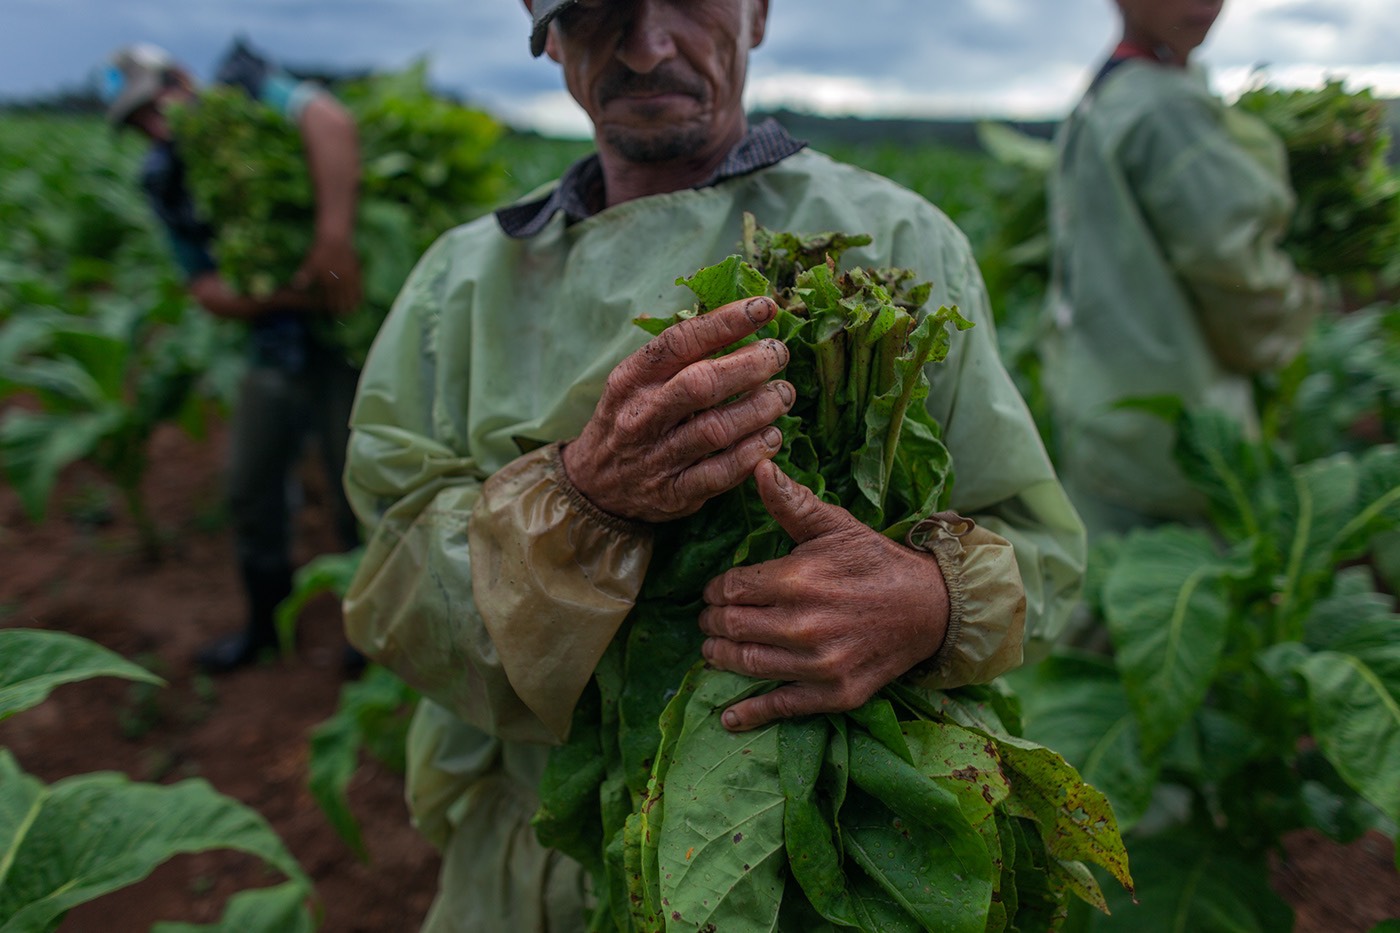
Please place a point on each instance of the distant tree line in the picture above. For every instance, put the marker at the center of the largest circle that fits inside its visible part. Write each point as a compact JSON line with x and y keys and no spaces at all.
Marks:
{"x":80,"y":99}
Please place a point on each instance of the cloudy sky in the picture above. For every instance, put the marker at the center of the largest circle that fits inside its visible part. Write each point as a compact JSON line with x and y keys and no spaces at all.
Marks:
{"x":1007,"y":58}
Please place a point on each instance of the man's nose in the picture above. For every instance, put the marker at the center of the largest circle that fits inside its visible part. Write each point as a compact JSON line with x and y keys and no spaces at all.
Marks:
{"x":647,"y":39}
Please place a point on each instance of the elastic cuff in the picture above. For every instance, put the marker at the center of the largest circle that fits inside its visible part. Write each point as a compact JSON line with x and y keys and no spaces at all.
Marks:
{"x":940,"y":535}
{"x":555,"y":455}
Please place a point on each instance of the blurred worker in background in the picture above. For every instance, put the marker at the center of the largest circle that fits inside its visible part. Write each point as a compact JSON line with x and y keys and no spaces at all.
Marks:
{"x":295,"y":386}
{"x":516,"y":440}
{"x":1166,"y":213}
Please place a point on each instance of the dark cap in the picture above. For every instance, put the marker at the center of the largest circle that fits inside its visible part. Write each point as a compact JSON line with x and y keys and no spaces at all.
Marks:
{"x":544,"y":11}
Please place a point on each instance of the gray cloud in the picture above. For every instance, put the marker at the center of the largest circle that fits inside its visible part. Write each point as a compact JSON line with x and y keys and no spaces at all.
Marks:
{"x":1306,"y":13}
{"x":939,"y":49}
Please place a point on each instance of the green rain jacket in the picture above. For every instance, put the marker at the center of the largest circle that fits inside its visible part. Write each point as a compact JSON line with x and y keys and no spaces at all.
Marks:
{"x":493,"y":588}
{"x":1166,"y":210}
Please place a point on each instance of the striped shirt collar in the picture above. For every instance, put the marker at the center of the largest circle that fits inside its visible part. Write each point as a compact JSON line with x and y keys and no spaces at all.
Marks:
{"x":581,"y":186}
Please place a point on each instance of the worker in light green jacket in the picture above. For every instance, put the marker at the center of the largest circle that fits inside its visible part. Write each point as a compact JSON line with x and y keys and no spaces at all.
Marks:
{"x":1166,"y":213}
{"x":516,"y":437}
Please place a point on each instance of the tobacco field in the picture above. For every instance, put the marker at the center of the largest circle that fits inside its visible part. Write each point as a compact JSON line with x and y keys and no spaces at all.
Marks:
{"x":1245,"y":726}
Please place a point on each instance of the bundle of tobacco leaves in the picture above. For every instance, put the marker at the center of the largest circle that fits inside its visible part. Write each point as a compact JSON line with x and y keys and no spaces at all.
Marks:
{"x":425,"y":168}
{"x":921,"y":810}
{"x":1348,"y":217}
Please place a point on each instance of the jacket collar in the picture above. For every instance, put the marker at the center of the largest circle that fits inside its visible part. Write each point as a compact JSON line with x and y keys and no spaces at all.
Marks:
{"x":580,"y":189}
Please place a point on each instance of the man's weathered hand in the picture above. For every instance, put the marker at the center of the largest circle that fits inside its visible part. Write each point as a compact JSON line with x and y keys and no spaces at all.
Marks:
{"x":842,"y":615}
{"x":332,"y":268}
{"x":675,"y":427}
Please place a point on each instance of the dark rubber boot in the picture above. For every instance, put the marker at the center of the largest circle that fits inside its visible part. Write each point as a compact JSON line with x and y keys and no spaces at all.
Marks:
{"x":265,"y":588}
{"x":352,"y":662}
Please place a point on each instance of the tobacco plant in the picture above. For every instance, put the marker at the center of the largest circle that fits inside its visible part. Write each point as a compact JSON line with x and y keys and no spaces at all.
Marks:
{"x":372,"y":714}
{"x":1254,"y":685}
{"x":70,"y":842}
{"x":98,"y":385}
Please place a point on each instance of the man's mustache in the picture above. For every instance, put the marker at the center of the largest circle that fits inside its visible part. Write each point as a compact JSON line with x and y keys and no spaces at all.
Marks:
{"x":627,"y":83}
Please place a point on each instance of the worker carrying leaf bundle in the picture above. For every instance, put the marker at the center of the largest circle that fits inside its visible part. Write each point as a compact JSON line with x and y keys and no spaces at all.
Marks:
{"x":1167,"y":210}
{"x":296,"y":386}
{"x":519,"y":446}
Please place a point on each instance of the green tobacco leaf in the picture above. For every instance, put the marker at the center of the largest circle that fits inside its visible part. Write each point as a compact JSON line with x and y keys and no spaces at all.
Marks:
{"x":911,"y":836}
{"x":36,"y":446}
{"x":327,"y":573}
{"x":721,"y":858}
{"x":1353,"y":602}
{"x":923,"y":471}
{"x":878,"y":718}
{"x":661,"y":651}
{"x":1203,"y":885}
{"x":653,"y":808}
{"x":1385,"y":554}
{"x":281,"y":908}
{"x":813,"y":855}
{"x":1076,"y":821}
{"x":1077,"y":879}
{"x":1378,"y":500}
{"x":1310,"y":521}
{"x":961,"y":761}
{"x":964,"y":762}
{"x":20,"y":337}
{"x":1355,"y":713}
{"x":989,"y":708}
{"x":1216,"y":458}
{"x":568,"y":817}
{"x":904,"y":868}
{"x":92,"y":834}
{"x":34,"y":662}
{"x":372,"y":713}
{"x":645,"y":911}
{"x":730,"y":280}
{"x":1077,"y":706}
{"x":60,"y":383}
{"x":103,"y":357}
{"x":334,"y":758}
{"x":1034,"y":902}
{"x":1169,"y":617}
{"x":21,"y":800}
{"x":1223,"y":744}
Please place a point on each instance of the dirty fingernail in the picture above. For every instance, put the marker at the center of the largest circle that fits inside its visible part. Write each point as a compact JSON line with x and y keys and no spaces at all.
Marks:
{"x":772,"y":437}
{"x":780,"y":350}
{"x":787,"y":393}
{"x":731,"y":719}
{"x":760,"y":310}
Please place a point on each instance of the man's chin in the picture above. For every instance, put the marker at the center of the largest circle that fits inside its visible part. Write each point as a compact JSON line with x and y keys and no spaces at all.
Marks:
{"x":656,"y":144}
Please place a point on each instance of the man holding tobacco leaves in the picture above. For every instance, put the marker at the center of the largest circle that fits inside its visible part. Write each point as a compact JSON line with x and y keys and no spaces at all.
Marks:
{"x":516,"y":442}
{"x":296,"y":385}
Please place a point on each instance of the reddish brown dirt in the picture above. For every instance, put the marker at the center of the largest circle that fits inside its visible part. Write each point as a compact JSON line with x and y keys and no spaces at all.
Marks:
{"x":248,"y":734}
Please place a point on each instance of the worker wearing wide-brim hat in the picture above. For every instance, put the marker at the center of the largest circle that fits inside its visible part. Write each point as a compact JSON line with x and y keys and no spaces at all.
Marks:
{"x":297,"y":387}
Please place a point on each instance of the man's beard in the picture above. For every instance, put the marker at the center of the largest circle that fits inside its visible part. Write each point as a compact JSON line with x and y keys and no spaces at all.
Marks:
{"x":656,"y":144}
{"x":661,"y":142}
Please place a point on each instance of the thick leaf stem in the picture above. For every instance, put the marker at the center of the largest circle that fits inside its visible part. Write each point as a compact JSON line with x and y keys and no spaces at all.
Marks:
{"x":901,"y":405}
